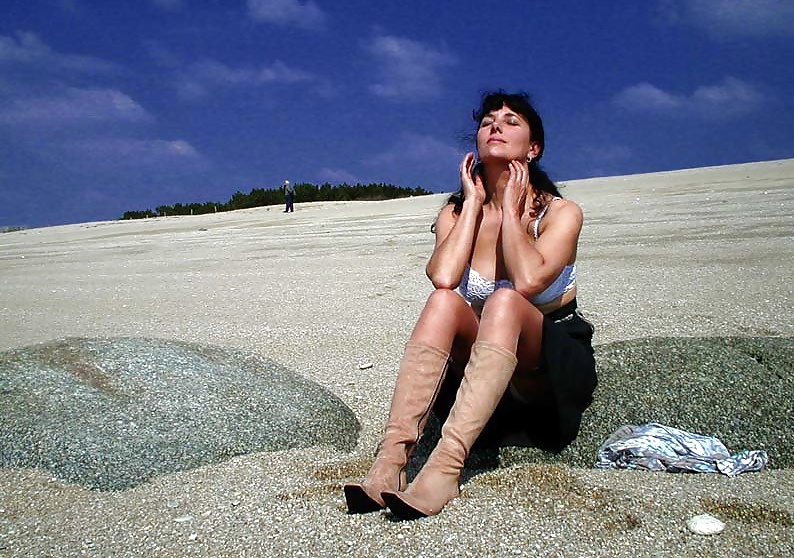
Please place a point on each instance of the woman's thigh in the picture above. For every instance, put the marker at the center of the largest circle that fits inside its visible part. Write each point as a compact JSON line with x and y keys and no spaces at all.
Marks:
{"x":447,"y":322}
{"x":510,"y":320}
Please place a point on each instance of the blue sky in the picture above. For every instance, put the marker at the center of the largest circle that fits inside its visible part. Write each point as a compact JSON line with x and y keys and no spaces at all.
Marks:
{"x":113,"y":106}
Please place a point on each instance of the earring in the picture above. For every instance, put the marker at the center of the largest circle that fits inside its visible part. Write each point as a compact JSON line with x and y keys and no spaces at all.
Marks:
{"x":529,"y":159}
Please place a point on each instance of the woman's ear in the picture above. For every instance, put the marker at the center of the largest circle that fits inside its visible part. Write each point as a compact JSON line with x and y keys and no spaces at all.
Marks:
{"x":534,"y":150}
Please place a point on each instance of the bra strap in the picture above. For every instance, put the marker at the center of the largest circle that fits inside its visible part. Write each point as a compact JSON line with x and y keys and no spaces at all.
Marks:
{"x":542,"y":213}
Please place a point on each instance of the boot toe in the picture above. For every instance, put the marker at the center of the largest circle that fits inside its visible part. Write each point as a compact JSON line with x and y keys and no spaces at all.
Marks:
{"x":397,"y":504}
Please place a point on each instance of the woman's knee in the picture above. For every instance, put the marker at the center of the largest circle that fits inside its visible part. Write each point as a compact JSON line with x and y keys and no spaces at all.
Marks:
{"x":504,"y":303}
{"x":446,"y":314}
{"x":441,"y":299}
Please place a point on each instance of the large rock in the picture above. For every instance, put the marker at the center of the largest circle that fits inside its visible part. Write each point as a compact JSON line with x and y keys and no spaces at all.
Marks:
{"x":111,"y":413}
{"x":739,"y":389}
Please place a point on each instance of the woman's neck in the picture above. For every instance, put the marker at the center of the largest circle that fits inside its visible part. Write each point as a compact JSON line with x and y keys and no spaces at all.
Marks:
{"x":495,"y":183}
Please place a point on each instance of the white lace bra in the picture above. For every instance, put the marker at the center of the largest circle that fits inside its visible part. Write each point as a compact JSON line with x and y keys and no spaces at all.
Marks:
{"x":476,"y":289}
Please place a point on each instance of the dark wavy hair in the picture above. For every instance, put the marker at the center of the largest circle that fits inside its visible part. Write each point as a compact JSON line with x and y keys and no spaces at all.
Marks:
{"x":520,"y":103}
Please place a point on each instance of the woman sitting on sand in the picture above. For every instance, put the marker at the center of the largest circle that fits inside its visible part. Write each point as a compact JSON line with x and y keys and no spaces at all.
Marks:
{"x":507,"y":242}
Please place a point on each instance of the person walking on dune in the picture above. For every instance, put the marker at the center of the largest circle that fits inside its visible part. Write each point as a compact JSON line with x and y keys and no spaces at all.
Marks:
{"x":289,"y":196}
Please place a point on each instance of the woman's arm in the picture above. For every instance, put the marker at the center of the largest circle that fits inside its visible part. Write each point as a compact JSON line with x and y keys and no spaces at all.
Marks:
{"x":455,"y":233}
{"x":454,"y":241}
{"x":533,"y":265}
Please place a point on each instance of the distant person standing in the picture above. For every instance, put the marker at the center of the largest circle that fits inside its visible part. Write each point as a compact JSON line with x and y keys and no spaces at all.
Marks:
{"x":289,"y":195}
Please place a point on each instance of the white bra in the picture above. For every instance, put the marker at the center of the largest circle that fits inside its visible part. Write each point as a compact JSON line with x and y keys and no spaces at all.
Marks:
{"x":476,"y":289}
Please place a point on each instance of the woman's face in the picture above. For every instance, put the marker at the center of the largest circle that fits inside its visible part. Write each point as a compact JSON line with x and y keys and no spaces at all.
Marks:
{"x":504,"y":134}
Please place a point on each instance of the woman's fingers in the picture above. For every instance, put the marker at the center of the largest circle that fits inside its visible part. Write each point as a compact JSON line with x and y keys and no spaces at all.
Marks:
{"x":522,"y":174}
{"x":464,"y":164}
{"x":517,"y":178}
{"x":471,"y":185}
{"x":517,"y":187}
{"x":466,"y":168}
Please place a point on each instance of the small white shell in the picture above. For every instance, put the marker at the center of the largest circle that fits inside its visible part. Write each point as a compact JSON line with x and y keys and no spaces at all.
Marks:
{"x":705,"y":524}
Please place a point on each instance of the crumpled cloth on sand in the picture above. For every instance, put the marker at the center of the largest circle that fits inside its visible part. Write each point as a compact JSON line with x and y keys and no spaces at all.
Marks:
{"x":656,"y":447}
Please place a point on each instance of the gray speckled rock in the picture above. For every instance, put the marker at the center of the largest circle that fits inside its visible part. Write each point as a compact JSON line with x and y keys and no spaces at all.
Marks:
{"x":111,"y":413}
{"x":739,"y":389}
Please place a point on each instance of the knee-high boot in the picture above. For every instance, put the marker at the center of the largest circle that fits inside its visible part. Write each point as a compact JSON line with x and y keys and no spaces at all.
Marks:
{"x":485,"y":380}
{"x":422,"y":370}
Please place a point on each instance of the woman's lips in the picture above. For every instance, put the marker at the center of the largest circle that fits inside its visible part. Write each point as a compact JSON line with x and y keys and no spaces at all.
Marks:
{"x":496,"y":140}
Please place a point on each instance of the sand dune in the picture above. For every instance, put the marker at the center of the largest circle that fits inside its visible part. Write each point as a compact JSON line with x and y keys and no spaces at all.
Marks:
{"x":702,"y":252}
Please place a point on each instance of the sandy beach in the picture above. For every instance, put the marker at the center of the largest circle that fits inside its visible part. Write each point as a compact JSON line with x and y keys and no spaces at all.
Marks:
{"x":334,"y":286}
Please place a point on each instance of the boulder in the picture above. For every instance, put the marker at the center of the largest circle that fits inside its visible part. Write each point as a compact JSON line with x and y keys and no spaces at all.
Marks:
{"x":112,"y":413}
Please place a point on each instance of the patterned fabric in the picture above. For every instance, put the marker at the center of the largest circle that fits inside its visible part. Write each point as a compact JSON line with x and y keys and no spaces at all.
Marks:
{"x":476,"y":289}
{"x":656,"y":447}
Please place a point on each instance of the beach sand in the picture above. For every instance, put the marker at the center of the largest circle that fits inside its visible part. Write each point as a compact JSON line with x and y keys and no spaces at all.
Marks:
{"x":334,"y":286}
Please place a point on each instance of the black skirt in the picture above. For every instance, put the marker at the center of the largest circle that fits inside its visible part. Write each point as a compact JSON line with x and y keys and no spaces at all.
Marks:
{"x":550,"y":419}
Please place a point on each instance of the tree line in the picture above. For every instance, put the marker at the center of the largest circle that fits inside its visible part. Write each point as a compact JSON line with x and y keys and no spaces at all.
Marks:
{"x":304,"y":192}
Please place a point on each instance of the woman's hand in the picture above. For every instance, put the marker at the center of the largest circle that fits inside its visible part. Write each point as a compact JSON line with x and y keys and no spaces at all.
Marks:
{"x":473,"y":188}
{"x":515,"y":194}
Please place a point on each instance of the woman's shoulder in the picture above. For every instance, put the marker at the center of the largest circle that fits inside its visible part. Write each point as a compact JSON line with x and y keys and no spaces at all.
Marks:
{"x":447,"y":212}
{"x":564,"y":210}
{"x":444,"y":220}
{"x":564,"y":206}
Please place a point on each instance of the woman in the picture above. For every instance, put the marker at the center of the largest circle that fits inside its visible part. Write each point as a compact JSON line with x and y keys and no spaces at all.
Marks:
{"x":507,"y":242}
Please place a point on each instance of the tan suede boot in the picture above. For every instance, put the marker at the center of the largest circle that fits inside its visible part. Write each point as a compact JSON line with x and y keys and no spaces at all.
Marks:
{"x":422,"y":370}
{"x":485,"y":380}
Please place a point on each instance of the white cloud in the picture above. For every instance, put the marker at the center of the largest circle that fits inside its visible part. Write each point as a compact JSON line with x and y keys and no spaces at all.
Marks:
{"x":191,"y":90}
{"x":204,"y":75}
{"x":121,"y":151}
{"x":754,"y":18}
{"x":75,"y":106}
{"x":337,"y":176}
{"x":645,"y":96}
{"x":602,"y":159}
{"x":28,"y":48}
{"x":161,"y":54}
{"x":111,"y":158}
{"x":212,"y":71}
{"x":730,"y":98}
{"x":418,"y":148}
{"x":307,"y":15}
{"x":608,"y":153}
{"x":409,"y":70}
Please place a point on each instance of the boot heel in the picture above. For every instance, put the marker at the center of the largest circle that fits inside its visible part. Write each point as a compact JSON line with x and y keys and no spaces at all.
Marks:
{"x":358,"y":501}
{"x":401,"y":509}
